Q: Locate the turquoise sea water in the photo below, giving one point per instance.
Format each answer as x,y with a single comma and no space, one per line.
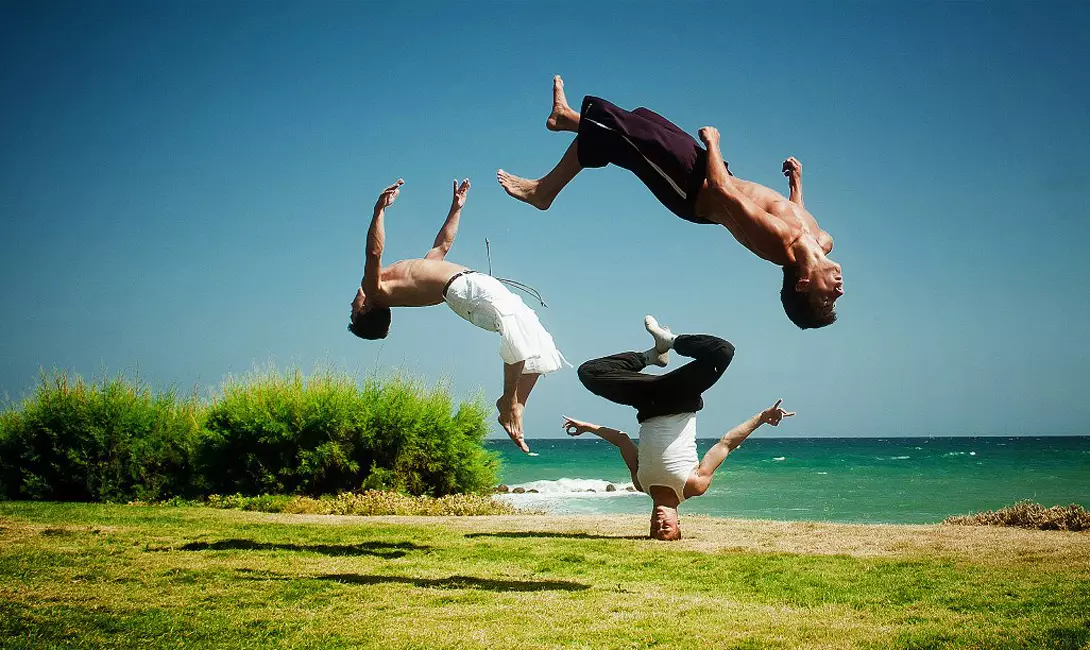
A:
872,480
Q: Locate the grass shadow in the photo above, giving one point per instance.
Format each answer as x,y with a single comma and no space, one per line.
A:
389,550
543,533
458,582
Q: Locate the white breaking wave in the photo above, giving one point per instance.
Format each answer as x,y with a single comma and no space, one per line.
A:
571,487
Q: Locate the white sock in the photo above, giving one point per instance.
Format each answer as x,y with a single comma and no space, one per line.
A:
664,338
653,357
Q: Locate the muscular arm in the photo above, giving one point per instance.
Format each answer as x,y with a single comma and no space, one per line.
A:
445,239
619,439
376,241
728,443
792,169
702,477
760,227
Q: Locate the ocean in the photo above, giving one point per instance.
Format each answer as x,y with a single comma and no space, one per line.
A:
860,480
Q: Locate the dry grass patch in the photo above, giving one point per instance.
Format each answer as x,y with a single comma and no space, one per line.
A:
1027,514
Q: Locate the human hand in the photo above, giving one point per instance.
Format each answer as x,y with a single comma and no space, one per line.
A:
775,414
709,135
460,191
576,427
792,167
386,199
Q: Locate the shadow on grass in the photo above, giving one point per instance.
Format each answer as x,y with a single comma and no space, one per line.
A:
458,582
543,533
389,550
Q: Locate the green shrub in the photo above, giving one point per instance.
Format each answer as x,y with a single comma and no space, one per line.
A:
286,434
107,440
113,440
1027,514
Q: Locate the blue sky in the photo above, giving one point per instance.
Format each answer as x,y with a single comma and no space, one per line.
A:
185,190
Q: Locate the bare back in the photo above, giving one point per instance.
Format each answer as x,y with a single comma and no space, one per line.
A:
416,282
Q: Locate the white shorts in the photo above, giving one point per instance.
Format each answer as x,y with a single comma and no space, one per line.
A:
482,300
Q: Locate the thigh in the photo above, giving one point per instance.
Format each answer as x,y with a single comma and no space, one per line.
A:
618,379
711,356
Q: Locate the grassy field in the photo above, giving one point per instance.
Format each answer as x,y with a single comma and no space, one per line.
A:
74,575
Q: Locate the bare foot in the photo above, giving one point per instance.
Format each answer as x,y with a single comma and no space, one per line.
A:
562,118
511,421
525,190
664,338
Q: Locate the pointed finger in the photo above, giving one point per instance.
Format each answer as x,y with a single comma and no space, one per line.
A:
788,414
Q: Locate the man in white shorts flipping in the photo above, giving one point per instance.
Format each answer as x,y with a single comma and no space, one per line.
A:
527,349
665,464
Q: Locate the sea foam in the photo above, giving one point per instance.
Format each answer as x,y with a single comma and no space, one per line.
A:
573,487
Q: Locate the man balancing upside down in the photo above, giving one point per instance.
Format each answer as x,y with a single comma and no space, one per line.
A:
665,464
696,185
527,349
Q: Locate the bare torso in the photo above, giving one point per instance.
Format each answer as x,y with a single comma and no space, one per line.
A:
798,222
416,283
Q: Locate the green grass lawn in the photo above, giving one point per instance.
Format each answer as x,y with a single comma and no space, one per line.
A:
75,575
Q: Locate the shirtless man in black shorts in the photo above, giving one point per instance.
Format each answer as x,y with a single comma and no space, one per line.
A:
694,183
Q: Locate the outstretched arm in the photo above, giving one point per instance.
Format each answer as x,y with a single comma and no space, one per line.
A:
618,438
376,240
792,169
730,441
445,239
758,225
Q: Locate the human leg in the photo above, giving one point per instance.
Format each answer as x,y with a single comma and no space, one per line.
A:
509,405
670,162
680,391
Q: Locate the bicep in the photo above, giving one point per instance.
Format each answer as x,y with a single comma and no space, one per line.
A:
631,455
712,460
372,275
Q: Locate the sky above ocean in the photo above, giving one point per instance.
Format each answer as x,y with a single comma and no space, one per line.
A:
185,190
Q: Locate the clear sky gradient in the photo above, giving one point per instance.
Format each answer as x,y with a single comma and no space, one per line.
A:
185,189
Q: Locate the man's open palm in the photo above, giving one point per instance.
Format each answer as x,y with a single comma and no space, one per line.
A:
460,192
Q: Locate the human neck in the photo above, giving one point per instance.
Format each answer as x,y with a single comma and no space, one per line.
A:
664,496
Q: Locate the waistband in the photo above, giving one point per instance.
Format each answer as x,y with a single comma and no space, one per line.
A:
455,277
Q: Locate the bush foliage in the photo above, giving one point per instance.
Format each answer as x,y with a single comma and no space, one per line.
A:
267,433
100,441
1027,514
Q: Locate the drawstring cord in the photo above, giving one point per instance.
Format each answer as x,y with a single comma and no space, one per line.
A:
525,288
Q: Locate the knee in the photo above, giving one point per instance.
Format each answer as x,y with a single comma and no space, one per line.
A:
724,353
586,373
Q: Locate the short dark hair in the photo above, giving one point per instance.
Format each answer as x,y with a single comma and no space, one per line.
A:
371,324
798,304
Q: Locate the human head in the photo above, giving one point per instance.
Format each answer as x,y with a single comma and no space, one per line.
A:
368,321
808,294
664,523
